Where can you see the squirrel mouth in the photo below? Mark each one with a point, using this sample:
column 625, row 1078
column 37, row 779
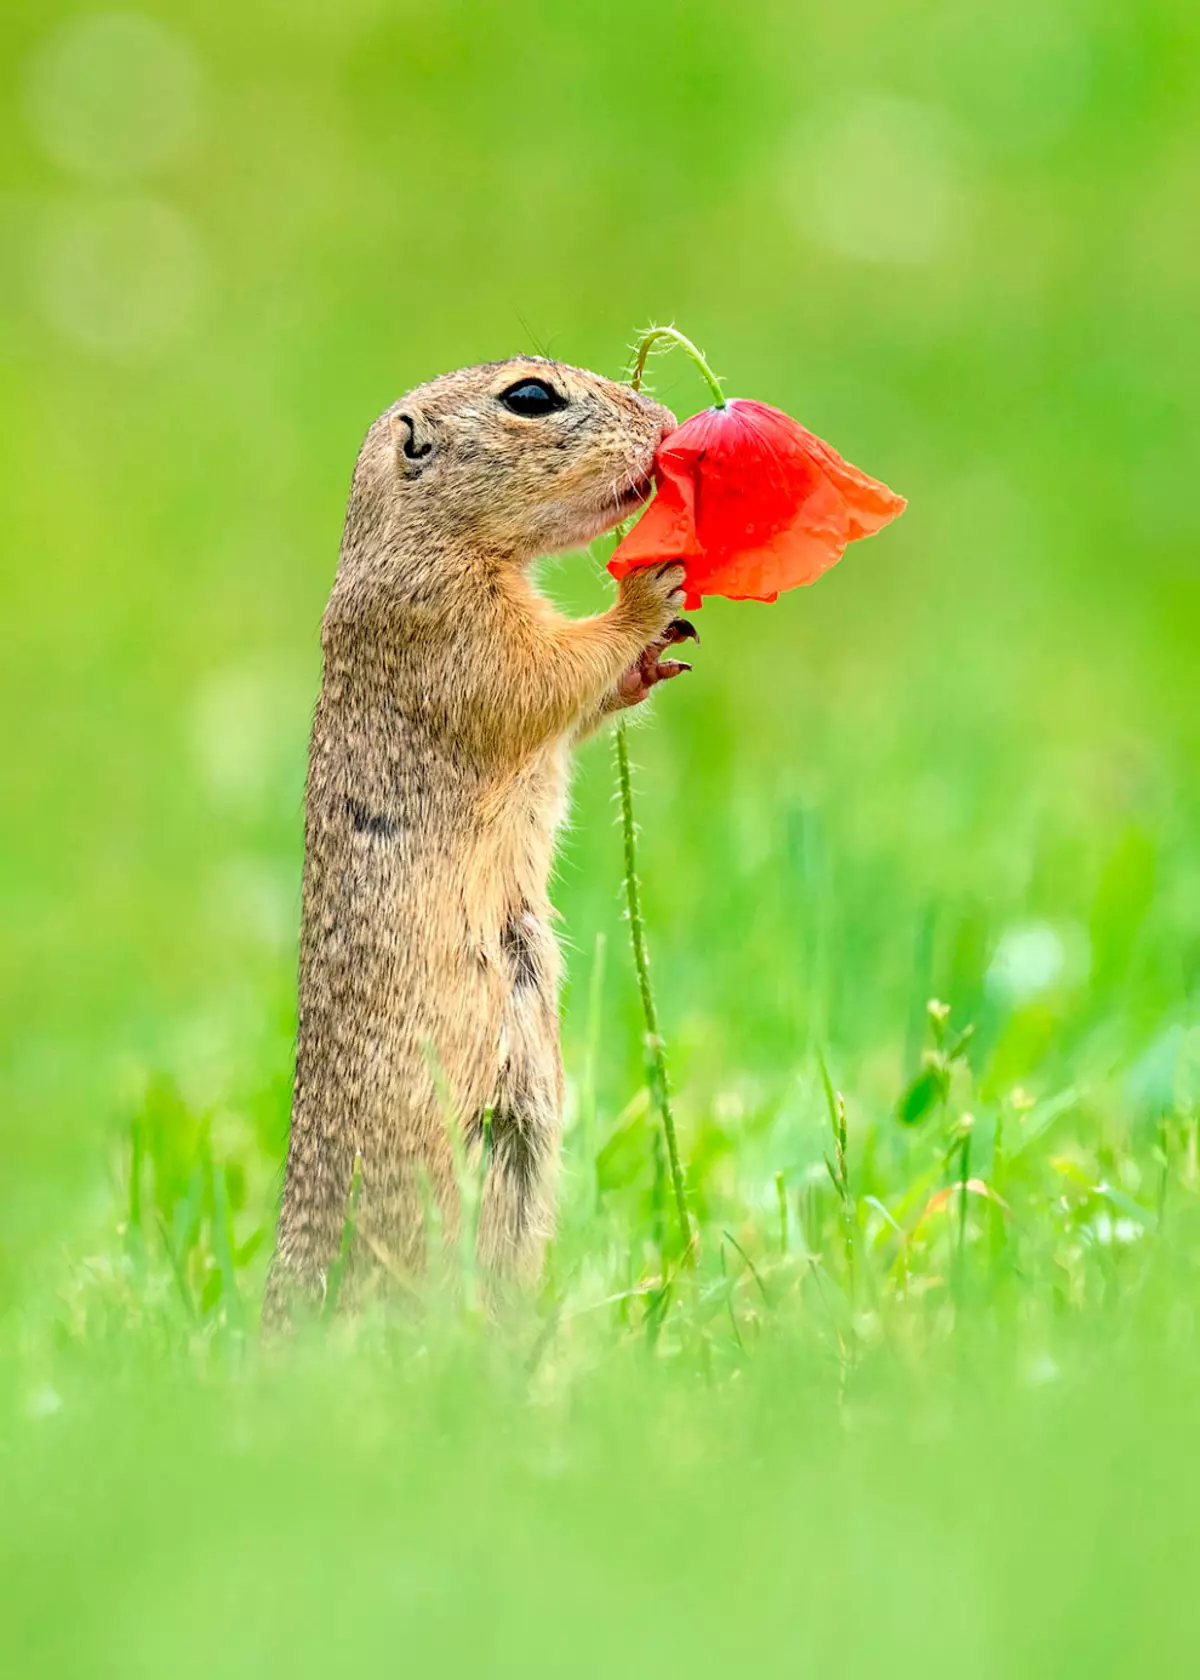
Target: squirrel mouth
column 637, row 493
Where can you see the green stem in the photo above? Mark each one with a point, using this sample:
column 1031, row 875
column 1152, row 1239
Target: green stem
column 672, row 335
column 656, row 1053
column 588, row 1107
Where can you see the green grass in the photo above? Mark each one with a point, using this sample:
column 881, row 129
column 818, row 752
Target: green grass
column 880, row 1427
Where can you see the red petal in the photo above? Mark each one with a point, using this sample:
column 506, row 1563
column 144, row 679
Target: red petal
column 870, row 504
column 753, row 504
column 668, row 527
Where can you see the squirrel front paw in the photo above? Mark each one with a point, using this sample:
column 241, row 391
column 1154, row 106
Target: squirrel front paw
column 650, row 597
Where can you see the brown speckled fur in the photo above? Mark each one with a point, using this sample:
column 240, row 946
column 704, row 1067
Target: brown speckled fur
column 437, row 775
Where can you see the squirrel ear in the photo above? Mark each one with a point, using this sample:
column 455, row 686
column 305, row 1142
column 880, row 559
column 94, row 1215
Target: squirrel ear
column 413, row 436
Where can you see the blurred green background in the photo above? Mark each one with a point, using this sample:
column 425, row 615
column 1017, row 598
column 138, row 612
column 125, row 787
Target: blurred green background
column 957, row 240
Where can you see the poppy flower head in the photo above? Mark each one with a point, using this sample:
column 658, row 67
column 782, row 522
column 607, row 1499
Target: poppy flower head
column 753, row 504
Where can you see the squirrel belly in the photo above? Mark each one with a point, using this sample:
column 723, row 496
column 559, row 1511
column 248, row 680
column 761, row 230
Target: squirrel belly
column 452, row 693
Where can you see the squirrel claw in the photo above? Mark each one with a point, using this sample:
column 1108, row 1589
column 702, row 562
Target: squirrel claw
column 652, row 668
column 680, row 630
column 649, row 669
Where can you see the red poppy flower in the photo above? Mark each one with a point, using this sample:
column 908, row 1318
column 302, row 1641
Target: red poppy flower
column 753, row 504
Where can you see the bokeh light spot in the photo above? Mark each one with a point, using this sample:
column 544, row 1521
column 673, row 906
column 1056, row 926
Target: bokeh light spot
column 115, row 96
column 121, row 278
column 881, row 182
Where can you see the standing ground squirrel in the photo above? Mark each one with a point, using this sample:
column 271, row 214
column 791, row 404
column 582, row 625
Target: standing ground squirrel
column 452, row 695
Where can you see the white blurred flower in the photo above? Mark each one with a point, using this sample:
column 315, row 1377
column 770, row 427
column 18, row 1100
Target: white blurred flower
column 1041, row 1371
column 43, row 1402
column 1108, row 1231
column 1032, row 957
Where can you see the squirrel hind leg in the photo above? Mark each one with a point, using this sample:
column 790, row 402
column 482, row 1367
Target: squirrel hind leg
column 516, row 1216
column 292, row 1294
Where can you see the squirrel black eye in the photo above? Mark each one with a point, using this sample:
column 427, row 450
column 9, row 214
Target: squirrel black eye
column 532, row 398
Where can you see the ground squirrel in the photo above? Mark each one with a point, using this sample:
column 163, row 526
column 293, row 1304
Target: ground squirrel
column 452, row 694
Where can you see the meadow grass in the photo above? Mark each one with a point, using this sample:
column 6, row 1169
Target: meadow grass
column 918, row 848
column 922, row 1397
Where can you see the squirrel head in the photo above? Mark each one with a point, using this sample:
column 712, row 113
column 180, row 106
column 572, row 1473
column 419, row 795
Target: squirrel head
column 512, row 459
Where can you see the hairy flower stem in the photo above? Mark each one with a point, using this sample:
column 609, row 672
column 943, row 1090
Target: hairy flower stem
column 672, row 335
column 656, row 1054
